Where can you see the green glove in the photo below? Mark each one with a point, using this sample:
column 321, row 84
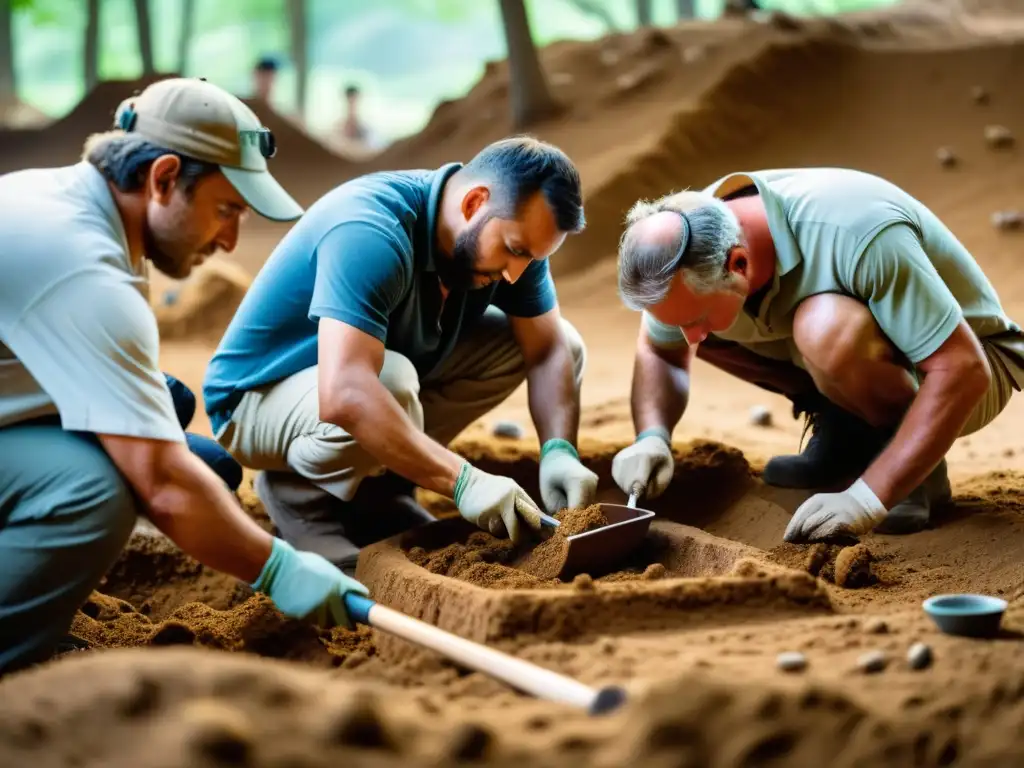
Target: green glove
column 494, row 503
column 564, row 481
column 648, row 461
column 304, row 585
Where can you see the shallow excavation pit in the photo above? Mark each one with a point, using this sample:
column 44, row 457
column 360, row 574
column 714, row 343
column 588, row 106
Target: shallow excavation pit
column 488, row 590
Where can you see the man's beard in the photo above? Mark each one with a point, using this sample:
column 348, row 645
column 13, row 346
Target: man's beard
column 170, row 250
column 457, row 271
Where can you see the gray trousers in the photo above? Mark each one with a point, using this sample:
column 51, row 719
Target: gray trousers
column 65, row 515
column 308, row 462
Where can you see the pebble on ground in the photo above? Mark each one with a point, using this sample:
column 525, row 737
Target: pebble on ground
column 510, row 429
column 791, row 661
column 760, row 416
column 872, row 661
column 919, row 656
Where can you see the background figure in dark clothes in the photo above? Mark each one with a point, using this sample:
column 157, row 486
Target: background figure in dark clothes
column 215, row 457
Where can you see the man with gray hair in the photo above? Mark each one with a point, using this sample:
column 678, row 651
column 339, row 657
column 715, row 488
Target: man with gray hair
column 88, row 430
column 840, row 291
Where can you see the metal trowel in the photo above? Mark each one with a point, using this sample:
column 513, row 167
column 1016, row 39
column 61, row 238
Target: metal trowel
column 603, row 547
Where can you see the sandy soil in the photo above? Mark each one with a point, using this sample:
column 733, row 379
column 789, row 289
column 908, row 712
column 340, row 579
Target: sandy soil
column 693, row 622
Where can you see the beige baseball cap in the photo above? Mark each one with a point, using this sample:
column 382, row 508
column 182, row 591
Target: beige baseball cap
column 198, row 119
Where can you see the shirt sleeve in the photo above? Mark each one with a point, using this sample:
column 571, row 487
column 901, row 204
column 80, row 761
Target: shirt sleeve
column 663, row 335
column 92, row 344
column 361, row 274
column 531, row 295
column 906, row 295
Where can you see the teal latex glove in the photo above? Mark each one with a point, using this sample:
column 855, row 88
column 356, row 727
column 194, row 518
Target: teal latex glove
column 494, row 503
column 304, row 585
column 564, row 481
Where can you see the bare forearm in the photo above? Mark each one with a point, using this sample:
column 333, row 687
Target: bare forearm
column 554, row 399
column 369, row 413
column 934, row 420
column 191, row 506
column 660, row 392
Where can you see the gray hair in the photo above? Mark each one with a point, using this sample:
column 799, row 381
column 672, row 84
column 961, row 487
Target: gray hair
column 646, row 268
column 124, row 160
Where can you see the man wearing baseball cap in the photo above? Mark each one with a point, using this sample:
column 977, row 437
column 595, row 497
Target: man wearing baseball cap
column 88, row 431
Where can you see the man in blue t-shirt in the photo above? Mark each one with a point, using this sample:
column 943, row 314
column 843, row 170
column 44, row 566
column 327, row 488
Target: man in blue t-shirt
column 402, row 307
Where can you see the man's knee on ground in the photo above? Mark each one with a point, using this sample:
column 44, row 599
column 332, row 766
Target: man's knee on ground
column 577, row 346
column 836, row 335
column 184, row 400
column 399, row 377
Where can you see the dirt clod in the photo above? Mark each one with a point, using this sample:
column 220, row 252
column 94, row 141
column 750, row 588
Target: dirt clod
column 853, row 567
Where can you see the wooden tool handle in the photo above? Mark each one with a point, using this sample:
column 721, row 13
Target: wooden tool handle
column 519, row 674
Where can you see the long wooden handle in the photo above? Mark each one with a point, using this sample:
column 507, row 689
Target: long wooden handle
column 519, row 674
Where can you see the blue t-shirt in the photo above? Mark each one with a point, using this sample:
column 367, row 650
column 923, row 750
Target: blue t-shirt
column 364, row 255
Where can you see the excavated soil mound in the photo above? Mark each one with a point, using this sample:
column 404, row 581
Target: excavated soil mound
column 203, row 305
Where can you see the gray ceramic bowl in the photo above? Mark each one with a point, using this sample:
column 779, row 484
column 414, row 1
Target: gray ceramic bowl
column 966, row 615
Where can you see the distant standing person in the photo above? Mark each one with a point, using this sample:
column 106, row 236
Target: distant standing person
column 89, row 433
column 264, row 78
column 847, row 295
column 352, row 126
column 401, row 308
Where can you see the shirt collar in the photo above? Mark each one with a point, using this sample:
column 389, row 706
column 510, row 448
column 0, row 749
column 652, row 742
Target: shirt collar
column 787, row 254
column 441, row 177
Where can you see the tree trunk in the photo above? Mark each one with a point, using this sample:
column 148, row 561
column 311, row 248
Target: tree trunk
column 145, row 30
column 297, row 20
column 8, row 89
column 188, row 14
column 531, row 99
column 643, row 13
column 91, row 49
column 685, row 9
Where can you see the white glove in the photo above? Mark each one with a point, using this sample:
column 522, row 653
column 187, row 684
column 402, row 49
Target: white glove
column 564, row 481
column 494, row 503
column 648, row 461
column 852, row 512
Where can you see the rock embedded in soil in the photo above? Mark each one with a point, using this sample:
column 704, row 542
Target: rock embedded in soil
column 919, row 656
column 946, row 157
column 510, row 429
column 1007, row 220
column 980, row 94
column 791, row 661
column 876, row 627
column 998, row 136
column 760, row 416
column 872, row 661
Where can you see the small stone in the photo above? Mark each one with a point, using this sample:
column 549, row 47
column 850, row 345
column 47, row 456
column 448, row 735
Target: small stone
column 561, row 78
column 919, row 656
column 872, row 661
column 998, row 136
column 655, row 571
column 876, row 627
column 946, row 157
column 1007, row 220
column 791, row 661
column 609, row 58
column 510, row 429
column 979, row 95
column 583, row 582
column 760, row 416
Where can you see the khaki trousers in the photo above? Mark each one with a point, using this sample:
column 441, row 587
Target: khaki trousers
column 278, row 427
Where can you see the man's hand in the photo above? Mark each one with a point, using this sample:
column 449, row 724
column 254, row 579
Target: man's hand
column 494, row 503
column 647, row 462
column 564, row 481
column 303, row 585
column 852, row 512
